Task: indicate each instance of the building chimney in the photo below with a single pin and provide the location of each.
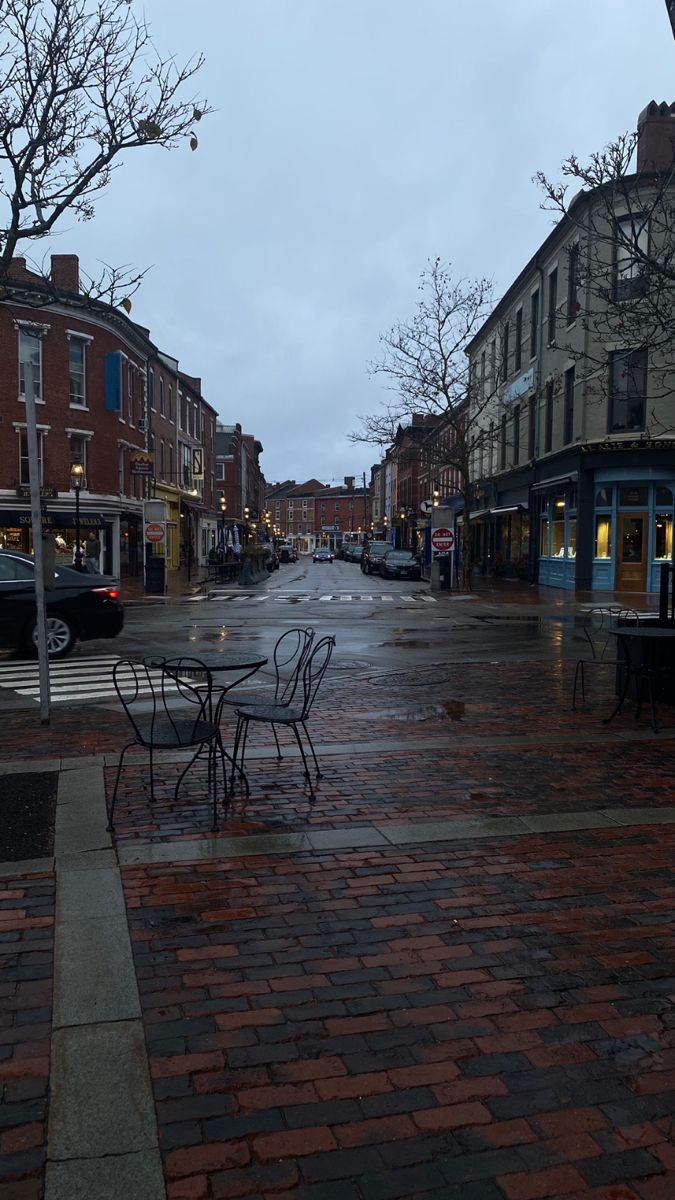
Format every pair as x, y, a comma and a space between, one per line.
656, 137
65, 272
17, 269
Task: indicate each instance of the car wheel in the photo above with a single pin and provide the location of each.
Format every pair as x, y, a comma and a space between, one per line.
60, 637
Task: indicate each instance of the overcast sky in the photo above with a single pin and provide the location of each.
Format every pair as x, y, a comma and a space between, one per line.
352, 141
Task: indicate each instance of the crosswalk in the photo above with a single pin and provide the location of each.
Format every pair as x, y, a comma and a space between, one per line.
270, 598
72, 679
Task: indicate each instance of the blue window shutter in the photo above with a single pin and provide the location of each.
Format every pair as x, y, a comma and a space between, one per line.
113, 381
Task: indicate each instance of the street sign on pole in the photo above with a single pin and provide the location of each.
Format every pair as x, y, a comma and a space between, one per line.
443, 540
36, 523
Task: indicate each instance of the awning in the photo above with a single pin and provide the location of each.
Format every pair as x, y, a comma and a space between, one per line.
506, 509
20, 518
557, 481
479, 512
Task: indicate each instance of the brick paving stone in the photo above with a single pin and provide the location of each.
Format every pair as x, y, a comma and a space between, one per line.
552, 1098
25, 1037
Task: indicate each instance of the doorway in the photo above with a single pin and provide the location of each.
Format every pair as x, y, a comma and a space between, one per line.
631, 568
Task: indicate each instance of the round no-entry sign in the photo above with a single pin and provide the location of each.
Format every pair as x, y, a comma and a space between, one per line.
443, 540
154, 532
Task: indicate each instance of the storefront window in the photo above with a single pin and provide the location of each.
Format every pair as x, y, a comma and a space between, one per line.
604, 497
663, 535
543, 545
558, 528
664, 496
572, 537
603, 537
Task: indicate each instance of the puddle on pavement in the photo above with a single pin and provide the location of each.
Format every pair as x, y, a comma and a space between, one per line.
412, 644
454, 709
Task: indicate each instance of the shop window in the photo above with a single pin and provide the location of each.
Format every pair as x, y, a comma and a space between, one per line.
543, 542
571, 537
663, 536
30, 363
603, 536
664, 495
633, 497
77, 352
24, 476
628, 388
604, 497
558, 528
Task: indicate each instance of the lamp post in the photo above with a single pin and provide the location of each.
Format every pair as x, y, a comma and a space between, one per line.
77, 482
247, 513
223, 507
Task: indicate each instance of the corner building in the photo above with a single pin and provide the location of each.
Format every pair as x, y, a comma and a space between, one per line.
575, 475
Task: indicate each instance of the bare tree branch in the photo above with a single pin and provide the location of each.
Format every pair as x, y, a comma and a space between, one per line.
80, 84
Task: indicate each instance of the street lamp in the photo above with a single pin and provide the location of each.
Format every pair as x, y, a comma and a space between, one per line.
77, 481
223, 506
436, 494
247, 513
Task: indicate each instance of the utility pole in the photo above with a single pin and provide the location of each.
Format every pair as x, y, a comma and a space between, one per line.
36, 524
365, 506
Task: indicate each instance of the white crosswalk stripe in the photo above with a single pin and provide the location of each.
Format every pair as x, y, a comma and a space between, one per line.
71, 679
326, 598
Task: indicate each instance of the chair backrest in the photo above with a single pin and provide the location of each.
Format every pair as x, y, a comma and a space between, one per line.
290, 656
598, 624
194, 685
152, 695
313, 672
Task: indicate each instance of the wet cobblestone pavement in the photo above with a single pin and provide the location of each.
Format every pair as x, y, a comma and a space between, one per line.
457, 1017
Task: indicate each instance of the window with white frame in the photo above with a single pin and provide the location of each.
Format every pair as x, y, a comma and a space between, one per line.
24, 474
161, 396
30, 363
77, 360
631, 247
78, 450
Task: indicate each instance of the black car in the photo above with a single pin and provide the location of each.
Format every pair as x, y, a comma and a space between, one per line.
372, 552
322, 555
399, 564
79, 605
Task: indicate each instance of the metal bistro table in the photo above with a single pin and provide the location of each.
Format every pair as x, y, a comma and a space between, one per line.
647, 652
245, 663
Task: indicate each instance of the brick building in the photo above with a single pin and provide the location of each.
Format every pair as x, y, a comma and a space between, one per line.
97, 379
314, 514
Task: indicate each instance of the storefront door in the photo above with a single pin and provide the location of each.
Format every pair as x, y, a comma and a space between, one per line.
631, 571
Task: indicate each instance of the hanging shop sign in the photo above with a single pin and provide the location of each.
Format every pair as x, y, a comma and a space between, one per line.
141, 463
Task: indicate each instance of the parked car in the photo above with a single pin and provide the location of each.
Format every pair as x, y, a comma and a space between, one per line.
353, 552
79, 605
372, 554
399, 564
322, 555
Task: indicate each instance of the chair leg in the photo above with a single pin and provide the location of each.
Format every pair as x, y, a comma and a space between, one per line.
223, 761
185, 770
111, 814
650, 685
274, 731
308, 777
311, 746
235, 749
214, 784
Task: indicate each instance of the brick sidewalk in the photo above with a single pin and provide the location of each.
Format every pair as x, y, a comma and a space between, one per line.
453, 1018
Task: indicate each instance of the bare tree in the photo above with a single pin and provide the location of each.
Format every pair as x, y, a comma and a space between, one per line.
425, 365
621, 225
80, 84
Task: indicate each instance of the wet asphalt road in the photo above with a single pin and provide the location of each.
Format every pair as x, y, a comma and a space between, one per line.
379, 624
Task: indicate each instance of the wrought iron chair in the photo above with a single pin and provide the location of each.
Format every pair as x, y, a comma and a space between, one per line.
597, 628
168, 710
290, 656
293, 715
642, 669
